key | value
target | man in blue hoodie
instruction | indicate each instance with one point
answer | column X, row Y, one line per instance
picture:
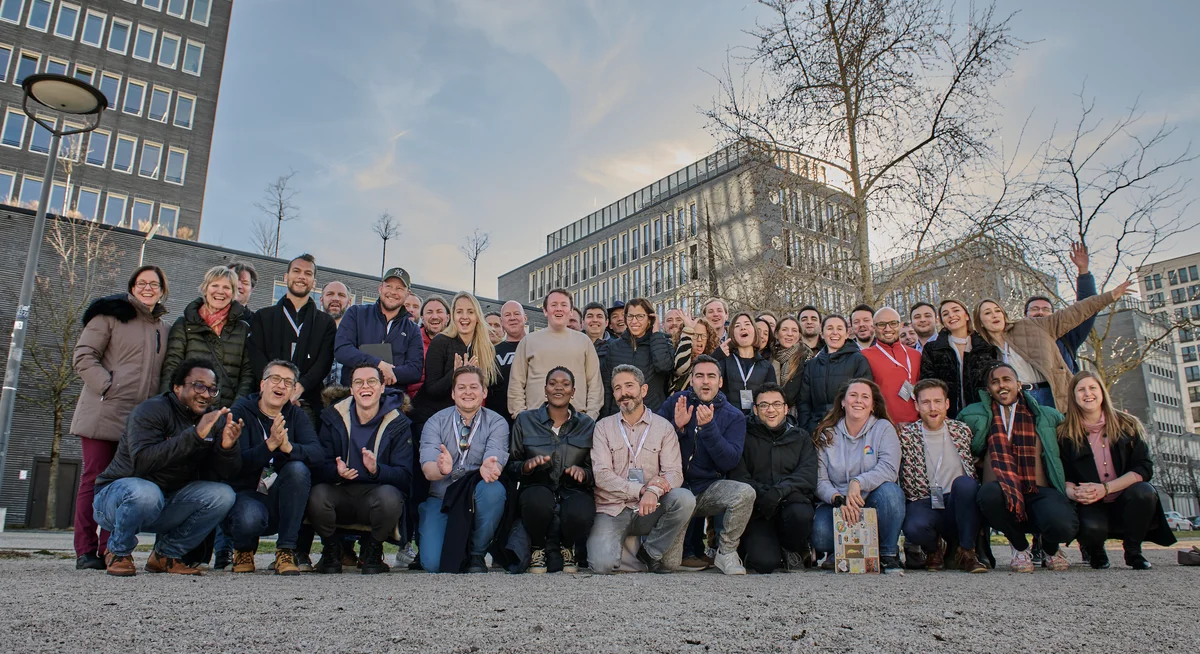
column 386, row 322
column 711, row 435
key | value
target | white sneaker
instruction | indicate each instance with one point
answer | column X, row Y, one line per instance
column 729, row 563
column 406, row 555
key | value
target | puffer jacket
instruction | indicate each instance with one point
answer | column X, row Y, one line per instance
column 979, row 416
column 119, row 356
column 938, row 361
column 823, row 375
column 571, row 446
column 253, row 442
column 191, row 337
column 653, row 354
column 392, row 444
column 779, row 464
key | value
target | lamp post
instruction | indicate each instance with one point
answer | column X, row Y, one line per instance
column 149, row 235
column 66, row 96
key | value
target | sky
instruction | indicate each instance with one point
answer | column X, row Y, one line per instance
column 518, row 117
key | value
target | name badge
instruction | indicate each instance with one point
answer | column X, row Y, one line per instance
column 636, row 474
column 747, row 399
column 906, row 391
column 936, row 497
column 266, row 479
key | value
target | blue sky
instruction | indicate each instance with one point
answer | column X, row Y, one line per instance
column 520, row 116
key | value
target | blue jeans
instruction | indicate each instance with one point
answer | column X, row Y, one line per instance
column 180, row 519
column 280, row 510
column 888, row 502
column 958, row 522
column 1044, row 396
column 489, row 508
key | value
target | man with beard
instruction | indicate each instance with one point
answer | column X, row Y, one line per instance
column 386, row 322
column 542, row 351
column 894, row 367
column 810, row 328
column 638, row 472
column 413, row 304
column 924, row 323
column 335, row 299
column 435, row 315
column 862, row 326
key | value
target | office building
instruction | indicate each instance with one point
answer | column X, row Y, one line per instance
column 1172, row 288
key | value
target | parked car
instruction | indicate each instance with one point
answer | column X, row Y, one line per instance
column 1177, row 522
column 1195, row 520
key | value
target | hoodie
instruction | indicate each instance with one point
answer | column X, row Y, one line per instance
column 709, row 452
column 873, row 458
column 391, row 443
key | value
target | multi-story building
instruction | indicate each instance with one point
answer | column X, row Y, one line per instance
column 159, row 64
column 756, row 226
column 1172, row 288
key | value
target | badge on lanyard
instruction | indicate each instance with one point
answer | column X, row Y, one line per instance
column 267, row 479
column 637, row 475
column 936, row 497
column 747, row 399
column 906, row 391
column 747, row 395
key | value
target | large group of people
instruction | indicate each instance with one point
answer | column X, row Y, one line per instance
column 613, row 439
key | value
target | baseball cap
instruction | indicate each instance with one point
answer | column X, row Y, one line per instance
column 616, row 305
column 398, row 273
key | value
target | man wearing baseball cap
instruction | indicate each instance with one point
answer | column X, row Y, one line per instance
column 616, row 318
column 386, row 322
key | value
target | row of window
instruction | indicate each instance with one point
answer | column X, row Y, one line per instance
column 656, row 278
column 1184, row 275
column 40, row 11
column 818, row 214
column 1181, row 294
column 94, row 204
column 124, row 150
column 1167, row 428
column 1185, row 313
column 1165, row 399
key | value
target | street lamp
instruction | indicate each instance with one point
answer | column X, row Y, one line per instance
column 149, row 235
column 59, row 95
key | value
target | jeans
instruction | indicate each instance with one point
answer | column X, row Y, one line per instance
column 431, row 534
column 552, row 521
column 1129, row 515
column 377, row 505
column 663, row 530
column 732, row 500
column 280, row 511
column 957, row 523
column 888, row 502
column 97, row 454
column 1044, row 396
column 765, row 539
column 1047, row 512
column 180, row 519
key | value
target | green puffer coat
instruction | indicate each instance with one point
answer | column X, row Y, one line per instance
column 191, row 337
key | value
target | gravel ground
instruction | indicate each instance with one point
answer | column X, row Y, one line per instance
column 45, row 605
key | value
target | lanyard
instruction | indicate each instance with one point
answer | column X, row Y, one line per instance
column 745, row 374
column 907, row 362
column 462, row 454
column 296, row 328
column 941, row 450
column 633, row 455
column 1008, row 421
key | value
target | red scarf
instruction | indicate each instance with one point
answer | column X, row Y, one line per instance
column 215, row 319
column 1014, row 457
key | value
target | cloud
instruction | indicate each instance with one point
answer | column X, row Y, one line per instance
column 623, row 173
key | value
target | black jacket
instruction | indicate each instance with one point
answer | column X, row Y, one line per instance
column 760, row 369
column 938, row 361
column 191, row 337
column 459, row 506
column 434, row 394
column 823, row 375
column 779, row 464
column 654, row 356
column 393, row 443
column 975, row 366
column 572, row 446
column 160, row 445
column 271, row 337
column 253, row 442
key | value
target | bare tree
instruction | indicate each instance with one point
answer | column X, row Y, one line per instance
column 386, row 228
column 263, row 237
column 892, row 94
column 277, row 205
column 474, row 245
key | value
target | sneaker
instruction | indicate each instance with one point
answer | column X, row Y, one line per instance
column 793, row 561
column 537, row 565
column 371, row 556
column 331, row 557
column 243, row 561
column 966, row 561
column 695, row 564
column 1135, row 560
column 89, row 561
column 1036, row 552
column 887, row 563
column 1021, row 562
column 303, row 562
column 1097, row 559
column 285, row 563
column 914, row 557
column 936, row 561
column 568, row 558
column 119, row 566
column 477, row 564
column 827, row 564
column 1057, row 561
column 160, row 563
column 729, row 563
column 406, row 555
column 222, row 560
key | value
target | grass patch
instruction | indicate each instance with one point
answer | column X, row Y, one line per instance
column 1187, row 534
column 14, row 554
column 264, row 547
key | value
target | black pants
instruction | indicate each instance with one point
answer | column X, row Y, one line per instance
column 379, row 505
column 1047, row 512
column 1129, row 515
column 765, row 539
column 548, row 528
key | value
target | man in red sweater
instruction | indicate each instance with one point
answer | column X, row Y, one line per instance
column 894, row 366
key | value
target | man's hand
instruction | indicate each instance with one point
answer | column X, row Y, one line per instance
column 1121, row 289
column 297, row 391
column 231, row 433
column 388, row 371
column 576, row 473
column 1079, row 257
column 704, row 415
column 278, row 433
column 204, row 427
column 683, row 413
column 661, row 484
column 368, row 459
column 648, row 504
column 445, row 462
column 534, row 463
column 490, row 470
column 344, row 471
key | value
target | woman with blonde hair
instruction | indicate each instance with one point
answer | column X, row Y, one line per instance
column 213, row 326
column 464, row 342
column 1108, row 469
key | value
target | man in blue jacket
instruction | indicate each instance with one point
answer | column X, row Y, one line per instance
column 1085, row 287
column 366, row 468
column 712, row 433
column 385, row 322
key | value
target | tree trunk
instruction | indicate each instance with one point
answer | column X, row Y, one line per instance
column 55, row 445
column 383, row 260
column 278, row 230
column 474, row 268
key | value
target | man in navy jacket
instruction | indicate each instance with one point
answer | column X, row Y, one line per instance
column 1085, row 287
column 386, row 321
column 711, row 435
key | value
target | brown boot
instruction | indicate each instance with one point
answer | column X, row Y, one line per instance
column 285, row 563
column 160, row 563
column 966, row 561
column 243, row 561
column 936, row 561
column 120, row 566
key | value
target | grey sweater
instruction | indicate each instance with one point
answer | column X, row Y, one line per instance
column 873, row 458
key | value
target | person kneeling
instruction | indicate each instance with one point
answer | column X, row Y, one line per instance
column 937, row 473
column 367, row 460
column 278, row 451
column 1108, row 470
column 463, row 451
column 779, row 462
column 638, row 472
column 154, row 483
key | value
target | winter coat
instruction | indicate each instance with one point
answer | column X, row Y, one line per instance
column 253, row 442
column 161, row 446
column 760, row 372
column 872, row 458
column 938, row 361
column 271, row 336
column 914, row 466
column 653, row 354
column 1068, row 344
column 434, row 392
column 711, row 451
column 978, row 417
column 791, row 386
column 392, row 443
column 891, row 377
column 191, row 337
column 779, row 464
column 119, row 357
column 823, row 376
column 365, row 324
column 571, row 446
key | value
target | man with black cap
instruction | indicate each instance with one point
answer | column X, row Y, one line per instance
column 616, row 318
column 365, row 329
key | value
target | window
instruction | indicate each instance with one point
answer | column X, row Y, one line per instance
column 624, row 249
column 135, row 96
column 68, row 19
column 1189, row 354
column 110, row 86
column 13, row 135
column 156, row 5
column 7, row 180
column 88, row 203
column 140, row 217
column 1178, row 295
column 143, row 43
column 40, row 140
column 185, row 107
column 151, row 158
column 1192, row 373
column 168, row 50
column 193, row 57
column 177, row 8
column 646, row 243
column 612, row 244
column 56, row 66
column 1174, row 279
column 93, row 28
column 71, row 145
column 114, row 209
column 176, row 165
column 58, row 198
column 97, row 154
column 1193, row 391
column 31, row 191
column 5, row 60
column 10, row 10
column 85, row 74
column 39, row 15
column 118, row 35
column 27, row 65
column 657, row 234
column 669, row 219
column 692, row 209
column 633, row 254
column 123, row 154
column 200, row 9
column 160, row 104
column 168, row 217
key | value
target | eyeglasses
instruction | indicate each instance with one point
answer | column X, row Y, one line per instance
column 151, row 285
column 778, row 406
column 891, row 324
column 276, row 380
column 636, row 316
column 370, row 382
column 200, row 388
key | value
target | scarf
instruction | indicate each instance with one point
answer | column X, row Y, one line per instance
column 1096, row 429
column 1014, row 460
column 215, row 319
column 781, row 359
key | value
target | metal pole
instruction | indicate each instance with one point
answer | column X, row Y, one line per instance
column 17, row 348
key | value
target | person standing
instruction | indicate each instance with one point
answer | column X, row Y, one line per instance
column 595, row 323
column 463, row 343
column 908, row 336
column 824, row 374
column 1040, row 306
column 744, row 369
column 385, row 322
column 247, row 280
column 810, row 328
column 413, row 305
column 335, row 299
column 894, row 367
column 616, row 319
column 540, row 352
column 495, row 328
column 862, row 323
column 924, row 323
column 644, row 347
column 434, row 316
column 119, row 357
column 953, row 356
column 791, row 353
column 702, row 340
column 512, row 321
column 716, row 312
